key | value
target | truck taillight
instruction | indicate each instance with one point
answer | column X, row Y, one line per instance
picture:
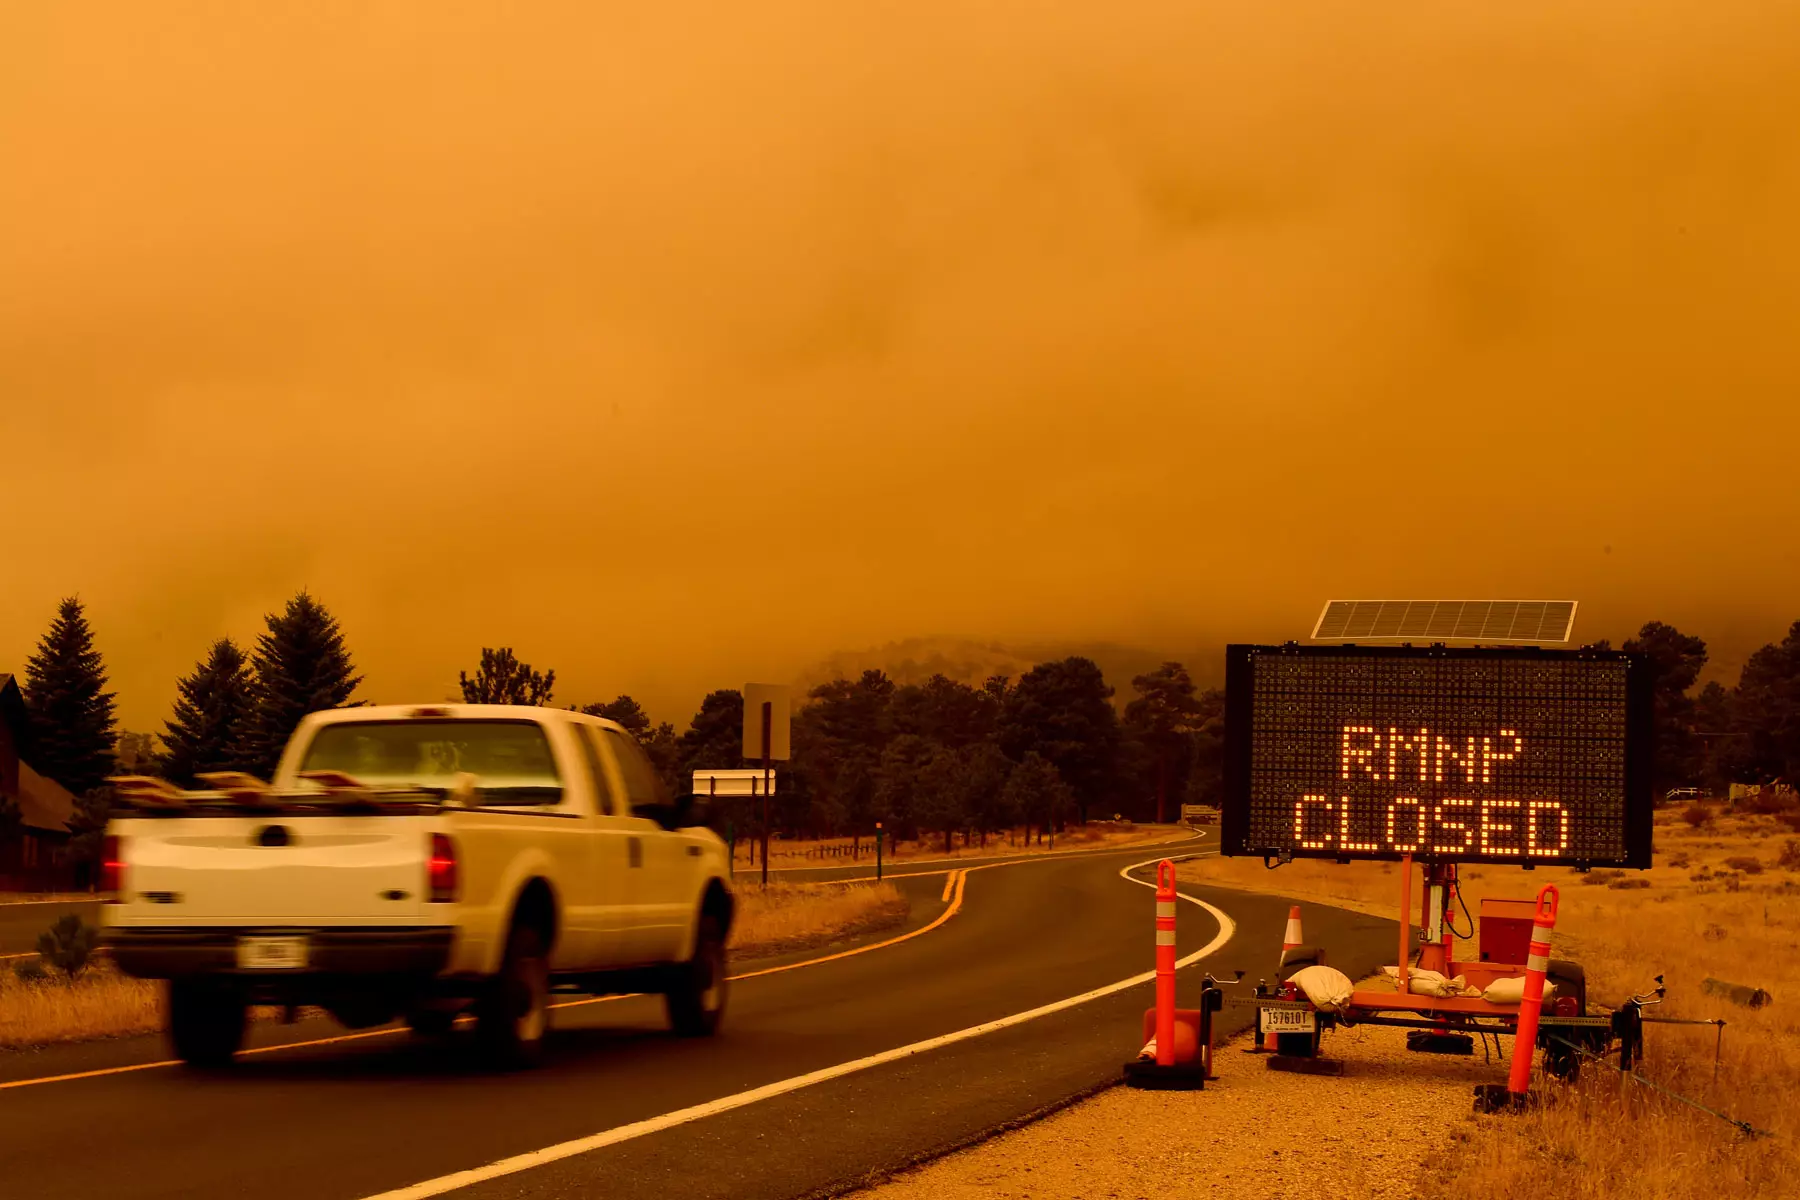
column 112, row 868
column 443, row 869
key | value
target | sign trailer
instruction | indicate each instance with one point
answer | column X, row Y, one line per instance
column 1512, row 755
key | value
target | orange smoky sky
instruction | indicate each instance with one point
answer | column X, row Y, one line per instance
column 681, row 344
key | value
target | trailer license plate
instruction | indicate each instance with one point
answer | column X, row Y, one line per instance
column 1287, row 1020
column 271, row 953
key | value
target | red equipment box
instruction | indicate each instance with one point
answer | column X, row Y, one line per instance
column 1506, row 930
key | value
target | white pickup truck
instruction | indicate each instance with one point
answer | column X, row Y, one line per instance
column 420, row 862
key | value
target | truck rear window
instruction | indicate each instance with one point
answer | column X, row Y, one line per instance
column 511, row 760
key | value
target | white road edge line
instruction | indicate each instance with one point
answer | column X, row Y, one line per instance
column 638, row 1129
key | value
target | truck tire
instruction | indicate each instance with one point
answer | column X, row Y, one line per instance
column 511, row 1018
column 696, row 999
column 431, row 1022
column 206, row 1022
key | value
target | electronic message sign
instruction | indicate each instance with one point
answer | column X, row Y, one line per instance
column 1516, row 755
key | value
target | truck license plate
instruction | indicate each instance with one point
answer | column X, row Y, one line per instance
column 271, row 953
column 1288, row 1020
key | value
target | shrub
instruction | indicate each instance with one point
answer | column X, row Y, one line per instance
column 1697, row 814
column 1601, row 877
column 1679, row 861
column 1791, row 819
column 67, row 945
column 1627, row 884
column 31, row 970
column 1746, row 864
column 1790, row 855
column 1770, row 800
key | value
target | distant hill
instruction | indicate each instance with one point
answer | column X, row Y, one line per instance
column 973, row 661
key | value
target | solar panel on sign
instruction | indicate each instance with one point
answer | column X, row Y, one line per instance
column 1525, row 621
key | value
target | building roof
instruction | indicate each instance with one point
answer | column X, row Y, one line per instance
column 44, row 803
column 12, row 711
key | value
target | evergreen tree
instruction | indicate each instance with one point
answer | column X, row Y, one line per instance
column 1163, row 719
column 503, row 679
column 301, row 666
column 715, row 737
column 72, row 724
column 626, row 712
column 1678, row 659
column 663, row 749
column 1036, row 791
column 212, row 708
column 1063, row 712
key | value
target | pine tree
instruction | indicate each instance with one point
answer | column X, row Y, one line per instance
column 503, row 679
column 212, row 708
column 301, row 666
column 625, row 711
column 71, row 711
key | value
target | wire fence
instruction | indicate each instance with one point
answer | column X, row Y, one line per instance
column 1744, row 1127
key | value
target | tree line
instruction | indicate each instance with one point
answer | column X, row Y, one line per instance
column 938, row 758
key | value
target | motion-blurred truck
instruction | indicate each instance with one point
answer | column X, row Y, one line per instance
column 421, row 863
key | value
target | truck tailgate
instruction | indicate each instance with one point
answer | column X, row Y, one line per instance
column 274, row 870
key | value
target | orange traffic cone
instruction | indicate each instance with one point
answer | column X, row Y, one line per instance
column 1292, row 939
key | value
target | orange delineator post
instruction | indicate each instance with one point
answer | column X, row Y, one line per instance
column 1165, row 963
column 1538, row 962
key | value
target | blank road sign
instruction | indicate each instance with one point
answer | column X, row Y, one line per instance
column 1526, row 622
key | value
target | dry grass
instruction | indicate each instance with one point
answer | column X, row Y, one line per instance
column 1095, row 835
column 100, row 1003
column 793, row 916
column 1699, row 916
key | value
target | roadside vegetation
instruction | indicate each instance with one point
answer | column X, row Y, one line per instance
column 797, row 916
column 846, row 852
column 1723, row 902
column 65, row 995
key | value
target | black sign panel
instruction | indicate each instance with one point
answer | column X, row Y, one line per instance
column 1514, row 755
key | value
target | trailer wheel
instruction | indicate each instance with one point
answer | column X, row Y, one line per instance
column 1298, row 1045
column 1298, row 958
column 206, row 1022
column 1569, row 979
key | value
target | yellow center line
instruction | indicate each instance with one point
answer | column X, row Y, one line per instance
column 957, row 877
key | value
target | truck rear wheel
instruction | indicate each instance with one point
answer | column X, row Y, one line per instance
column 206, row 1022
column 510, row 1020
column 696, row 1000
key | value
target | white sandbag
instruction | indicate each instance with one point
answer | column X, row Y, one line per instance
column 1328, row 988
column 1430, row 983
column 1511, row 990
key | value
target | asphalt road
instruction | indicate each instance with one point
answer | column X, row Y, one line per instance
column 20, row 924
column 359, row 1117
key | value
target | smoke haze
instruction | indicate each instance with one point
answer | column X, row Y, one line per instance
column 685, row 344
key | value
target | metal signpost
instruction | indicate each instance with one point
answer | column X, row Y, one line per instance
column 766, row 726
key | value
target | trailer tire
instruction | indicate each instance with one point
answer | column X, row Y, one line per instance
column 1569, row 978
column 1300, row 957
column 206, row 1022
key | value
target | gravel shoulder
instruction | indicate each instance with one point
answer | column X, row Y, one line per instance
column 1252, row 1133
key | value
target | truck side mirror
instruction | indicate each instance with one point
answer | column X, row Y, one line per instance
column 689, row 811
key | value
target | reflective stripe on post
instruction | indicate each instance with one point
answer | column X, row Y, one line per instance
column 1537, row 962
column 1165, row 963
